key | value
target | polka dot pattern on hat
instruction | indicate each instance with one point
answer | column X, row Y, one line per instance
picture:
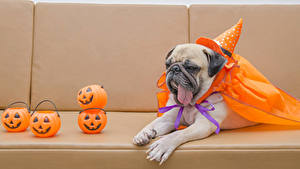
column 230, row 37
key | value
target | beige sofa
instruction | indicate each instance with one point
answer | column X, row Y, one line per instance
column 51, row 50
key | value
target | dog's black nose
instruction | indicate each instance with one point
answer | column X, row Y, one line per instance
column 175, row 68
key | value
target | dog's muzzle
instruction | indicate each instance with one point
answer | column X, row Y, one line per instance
column 177, row 68
column 181, row 83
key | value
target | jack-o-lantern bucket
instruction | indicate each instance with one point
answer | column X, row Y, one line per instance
column 16, row 119
column 45, row 123
column 93, row 96
column 92, row 120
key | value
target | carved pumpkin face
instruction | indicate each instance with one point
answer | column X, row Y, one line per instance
column 45, row 123
column 93, row 96
column 92, row 122
column 15, row 119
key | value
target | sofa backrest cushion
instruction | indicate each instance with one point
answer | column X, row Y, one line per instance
column 16, row 25
column 121, row 47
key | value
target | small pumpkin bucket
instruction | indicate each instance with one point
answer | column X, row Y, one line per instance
column 92, row 120
column 92, row 96
column 16, row 119
column 45, row 123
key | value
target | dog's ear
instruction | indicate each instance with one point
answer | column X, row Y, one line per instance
column 216, row 62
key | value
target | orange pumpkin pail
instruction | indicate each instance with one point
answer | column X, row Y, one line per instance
column 92, row 96
column 45, row 123
column 92, row 122
column 245, row 90
column 16, row 119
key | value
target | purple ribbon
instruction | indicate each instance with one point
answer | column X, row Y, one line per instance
column 203, row 110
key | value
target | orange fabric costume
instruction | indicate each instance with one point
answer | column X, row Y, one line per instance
column 245, row 90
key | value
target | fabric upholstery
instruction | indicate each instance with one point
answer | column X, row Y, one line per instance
column 263, row 146
column 121, row 47
column 16, row 29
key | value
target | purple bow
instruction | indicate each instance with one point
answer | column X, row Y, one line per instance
column 203, row 110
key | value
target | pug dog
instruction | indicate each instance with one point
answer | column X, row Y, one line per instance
column 191, row 69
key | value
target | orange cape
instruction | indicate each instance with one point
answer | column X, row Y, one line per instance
column 245, row 90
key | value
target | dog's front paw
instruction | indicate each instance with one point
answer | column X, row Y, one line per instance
column 161, row 149
column 144, row 137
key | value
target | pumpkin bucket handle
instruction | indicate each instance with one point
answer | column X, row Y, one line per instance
column 92, row 109
column 19, row 102
column 43, row 101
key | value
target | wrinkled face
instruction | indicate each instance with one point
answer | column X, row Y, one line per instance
column 16, row 119
column 191, row 69
column 44, row 124
column 85, row 96
column 92, row 122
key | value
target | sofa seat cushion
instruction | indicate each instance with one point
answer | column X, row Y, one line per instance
column 262, row 146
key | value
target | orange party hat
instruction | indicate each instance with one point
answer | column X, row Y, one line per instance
column 229, row 38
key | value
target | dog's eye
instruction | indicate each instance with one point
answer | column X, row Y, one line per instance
column 192, row 68
column 168, row 63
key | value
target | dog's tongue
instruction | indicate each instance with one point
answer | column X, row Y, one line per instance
column 184, row 96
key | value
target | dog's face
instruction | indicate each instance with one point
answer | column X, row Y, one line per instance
column 191, row 69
